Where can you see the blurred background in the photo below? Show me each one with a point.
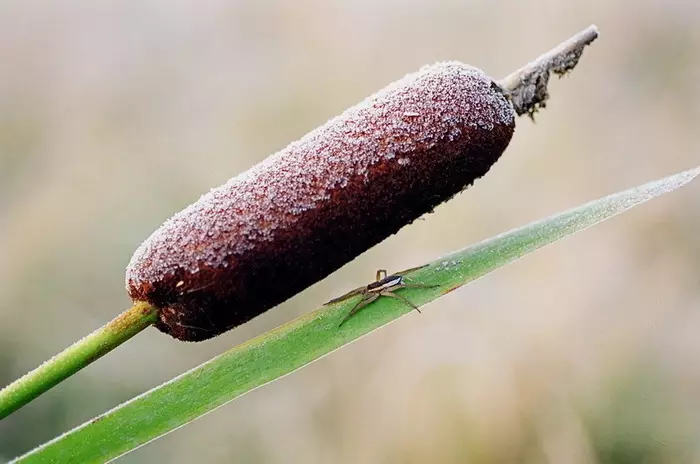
(116, 114)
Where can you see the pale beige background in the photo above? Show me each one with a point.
(114, 115)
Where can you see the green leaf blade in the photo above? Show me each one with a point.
(302, 341)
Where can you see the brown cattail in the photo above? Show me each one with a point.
(305, 211)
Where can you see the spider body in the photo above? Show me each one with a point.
(385, 283)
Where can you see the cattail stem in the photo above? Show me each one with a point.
(76, 357)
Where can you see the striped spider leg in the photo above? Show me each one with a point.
(385, 285)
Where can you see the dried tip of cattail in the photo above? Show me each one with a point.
(526, 88)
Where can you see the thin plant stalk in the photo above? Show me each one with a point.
(76, 357)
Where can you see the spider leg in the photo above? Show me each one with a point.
(350, 294)
(367, 299)
(399, 297)
(381, 274)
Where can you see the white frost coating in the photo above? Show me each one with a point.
(402, 120)
(447, 264)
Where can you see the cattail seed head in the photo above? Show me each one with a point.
(308, 209)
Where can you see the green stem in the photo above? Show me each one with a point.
(75, 357)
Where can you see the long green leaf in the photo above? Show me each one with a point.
(293, 345)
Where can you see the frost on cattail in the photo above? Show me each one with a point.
(306, 210)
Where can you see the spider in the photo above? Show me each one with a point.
(385, 285)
